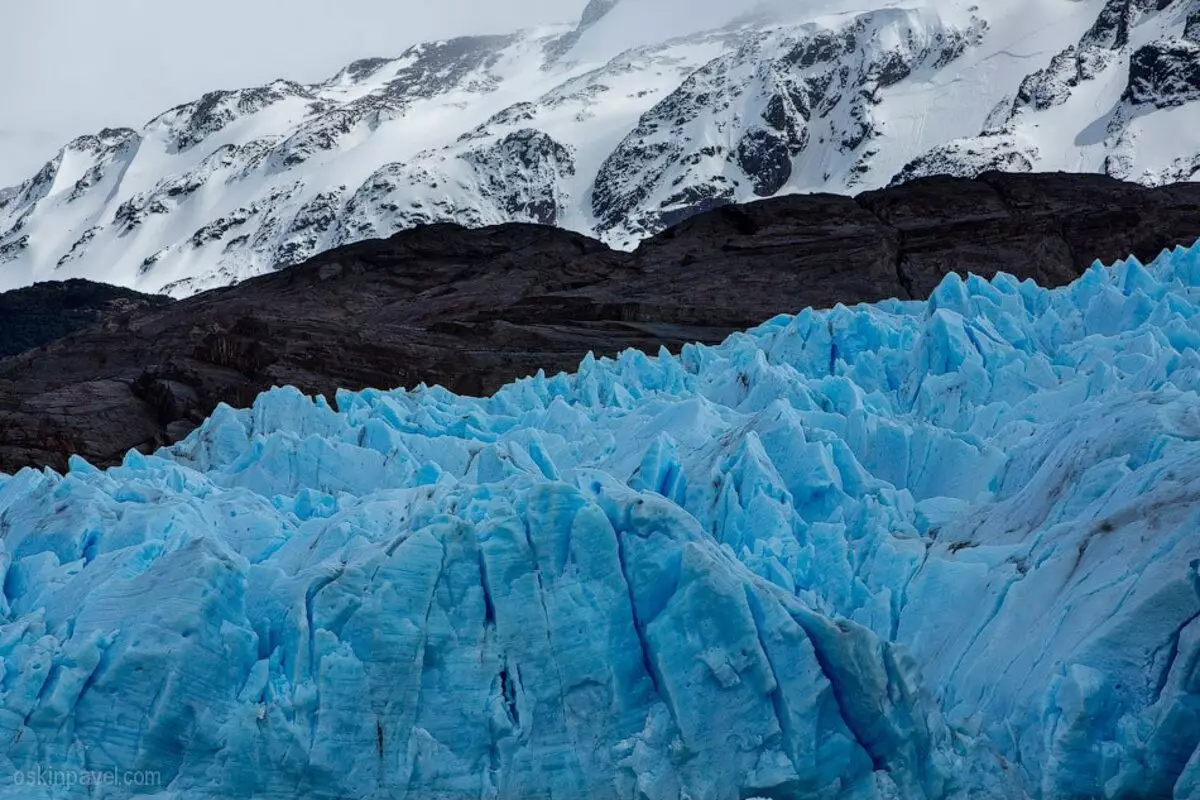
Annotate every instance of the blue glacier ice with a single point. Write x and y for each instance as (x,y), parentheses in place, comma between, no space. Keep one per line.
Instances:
(943,549)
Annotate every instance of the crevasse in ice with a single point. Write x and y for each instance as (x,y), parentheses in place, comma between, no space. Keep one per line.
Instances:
(910,550)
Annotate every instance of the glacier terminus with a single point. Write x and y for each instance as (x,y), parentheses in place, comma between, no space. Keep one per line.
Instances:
(942,549)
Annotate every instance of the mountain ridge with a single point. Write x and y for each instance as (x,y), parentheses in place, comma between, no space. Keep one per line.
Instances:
(523,127)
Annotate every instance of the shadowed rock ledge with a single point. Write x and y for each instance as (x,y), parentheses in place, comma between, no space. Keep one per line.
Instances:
(47,311)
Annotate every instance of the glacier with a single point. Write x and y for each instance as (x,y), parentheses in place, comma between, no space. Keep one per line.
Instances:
(940,549)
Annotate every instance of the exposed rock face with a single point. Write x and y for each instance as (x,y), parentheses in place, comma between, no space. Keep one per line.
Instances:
(1164,74)
(474,309)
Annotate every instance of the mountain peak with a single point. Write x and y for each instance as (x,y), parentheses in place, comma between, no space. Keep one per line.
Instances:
(594,11)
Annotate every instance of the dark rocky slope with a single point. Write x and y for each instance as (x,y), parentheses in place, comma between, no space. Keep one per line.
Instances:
(473,309)
(47,311)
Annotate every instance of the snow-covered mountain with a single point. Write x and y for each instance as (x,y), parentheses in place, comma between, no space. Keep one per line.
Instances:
(644,113)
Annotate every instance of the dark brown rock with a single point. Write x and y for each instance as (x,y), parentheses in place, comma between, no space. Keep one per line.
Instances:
(473,309)
(1046,227)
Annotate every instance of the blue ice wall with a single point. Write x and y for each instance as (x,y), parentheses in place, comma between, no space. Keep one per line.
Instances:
(909,550)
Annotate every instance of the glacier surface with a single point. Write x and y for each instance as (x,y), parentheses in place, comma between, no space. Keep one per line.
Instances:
(940,549)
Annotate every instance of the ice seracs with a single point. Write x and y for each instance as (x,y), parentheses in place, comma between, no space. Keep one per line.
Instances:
(940,549)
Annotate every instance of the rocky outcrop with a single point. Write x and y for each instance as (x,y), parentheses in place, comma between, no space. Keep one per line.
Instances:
(474,309)
(1164,74)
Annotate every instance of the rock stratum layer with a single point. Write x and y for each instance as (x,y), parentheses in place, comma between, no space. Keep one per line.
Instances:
(940,549)
(474,309)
